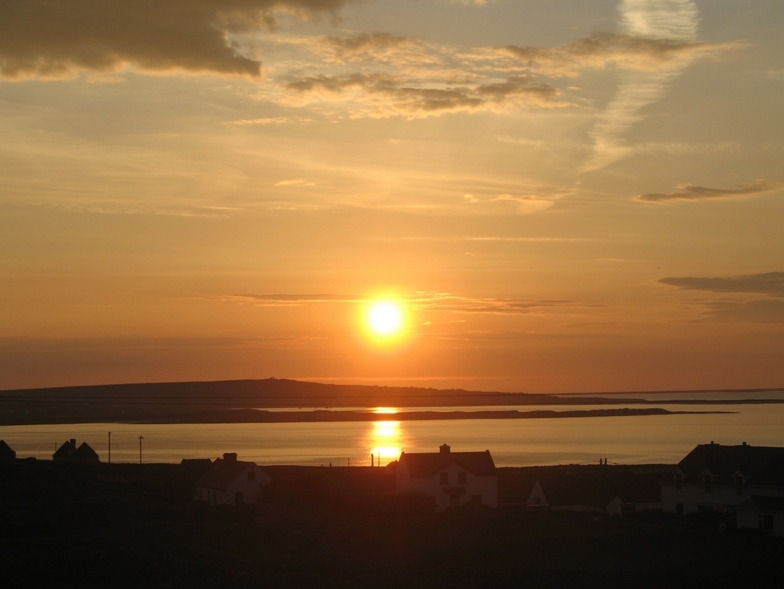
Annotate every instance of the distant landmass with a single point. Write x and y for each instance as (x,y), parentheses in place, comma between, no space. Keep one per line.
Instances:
(266,400)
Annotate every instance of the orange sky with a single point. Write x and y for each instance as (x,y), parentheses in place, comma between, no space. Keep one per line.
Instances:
(562,196)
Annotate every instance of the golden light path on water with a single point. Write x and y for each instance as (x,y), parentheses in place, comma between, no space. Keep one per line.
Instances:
(385,438)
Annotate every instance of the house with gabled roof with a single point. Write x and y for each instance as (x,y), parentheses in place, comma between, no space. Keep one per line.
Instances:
(713,477)
(7,454)
(451,478)
(231,482)
(70,452)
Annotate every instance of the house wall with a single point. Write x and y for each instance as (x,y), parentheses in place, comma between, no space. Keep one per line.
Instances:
(751,520)
(484,487)
(251,490)
(692,496)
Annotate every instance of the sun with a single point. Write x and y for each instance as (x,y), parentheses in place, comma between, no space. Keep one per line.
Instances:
(385,319)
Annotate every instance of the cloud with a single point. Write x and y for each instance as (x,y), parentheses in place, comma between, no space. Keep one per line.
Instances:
(761,310)
(368,46)
(423,301)
(770,283)
(295,182)
(693,192)
(58,38)
(379,95)
(270,121)
(624,51)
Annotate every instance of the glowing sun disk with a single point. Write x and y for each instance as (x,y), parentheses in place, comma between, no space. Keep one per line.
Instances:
(385,318)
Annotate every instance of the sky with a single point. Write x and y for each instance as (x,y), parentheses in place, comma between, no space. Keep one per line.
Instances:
(559,195)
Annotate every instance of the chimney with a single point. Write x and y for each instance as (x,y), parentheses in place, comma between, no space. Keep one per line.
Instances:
(744,443)
(230,456)
(73,441)
(444,449)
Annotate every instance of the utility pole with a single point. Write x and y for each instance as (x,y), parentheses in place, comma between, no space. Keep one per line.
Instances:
(110,447)
(140,448)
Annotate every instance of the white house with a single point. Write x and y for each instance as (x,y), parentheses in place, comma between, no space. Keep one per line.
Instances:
(231,482)
(713,477)
(536,498)
(451,478)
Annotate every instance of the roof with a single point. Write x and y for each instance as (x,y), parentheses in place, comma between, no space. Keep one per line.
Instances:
(761,465)
(223,473)
(82,453)
(6,452)
(66,450)
(428,463)
(757,503)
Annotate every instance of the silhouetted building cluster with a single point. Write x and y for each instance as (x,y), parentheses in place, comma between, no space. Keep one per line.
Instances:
(745,481)
(70,452)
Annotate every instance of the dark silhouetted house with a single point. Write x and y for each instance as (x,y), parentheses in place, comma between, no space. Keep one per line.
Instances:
(69,452)
(7,454)
(616,494)
(713,477)
(231,482)
(451,478)
(762,513)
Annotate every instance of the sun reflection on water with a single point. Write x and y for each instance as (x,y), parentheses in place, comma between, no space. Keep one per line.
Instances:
(384,439)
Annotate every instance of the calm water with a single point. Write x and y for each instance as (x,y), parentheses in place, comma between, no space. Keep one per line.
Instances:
(513,442)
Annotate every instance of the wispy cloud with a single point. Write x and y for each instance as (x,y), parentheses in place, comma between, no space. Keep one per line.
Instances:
(604,50)
(693,192)
(270,121)
(430,301)
(380,95)
(295,182)
(769,283)
(671,26)
(58,38)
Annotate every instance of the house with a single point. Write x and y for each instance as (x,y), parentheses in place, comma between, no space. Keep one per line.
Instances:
(7,454)
(451,478)
(614,492)
(69,452)
(713,477)
(536,498)
(231,482)
(762,513)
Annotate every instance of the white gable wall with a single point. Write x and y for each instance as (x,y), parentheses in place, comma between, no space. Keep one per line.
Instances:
(249,487)
(480,488)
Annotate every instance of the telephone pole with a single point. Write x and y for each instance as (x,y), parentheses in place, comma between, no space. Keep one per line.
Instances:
(140,448)
(110,447)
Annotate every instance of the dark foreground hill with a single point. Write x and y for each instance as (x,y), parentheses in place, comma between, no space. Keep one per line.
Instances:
(68,525)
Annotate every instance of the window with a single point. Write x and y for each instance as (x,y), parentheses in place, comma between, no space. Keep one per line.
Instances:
(476,499)
(444,478)
(739,485)
(765,522)
(678,481)
(706,483)
(461,478)
(251,475)
(537,500)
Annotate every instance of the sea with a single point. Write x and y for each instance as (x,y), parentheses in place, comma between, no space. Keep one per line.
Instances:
(646,439)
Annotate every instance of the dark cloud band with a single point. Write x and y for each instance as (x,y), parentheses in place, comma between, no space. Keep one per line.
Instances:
(56,38)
